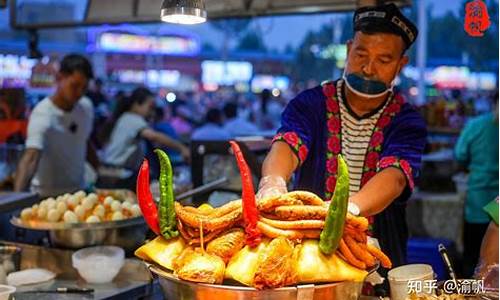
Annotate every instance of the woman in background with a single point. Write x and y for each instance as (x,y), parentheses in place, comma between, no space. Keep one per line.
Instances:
(128,130)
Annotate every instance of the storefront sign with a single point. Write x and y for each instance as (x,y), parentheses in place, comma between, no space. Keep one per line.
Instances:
(132,43)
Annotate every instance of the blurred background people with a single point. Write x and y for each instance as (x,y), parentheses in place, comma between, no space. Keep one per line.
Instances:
(477,151)
(128,130)
(58,132)
(212,130)
(237,125)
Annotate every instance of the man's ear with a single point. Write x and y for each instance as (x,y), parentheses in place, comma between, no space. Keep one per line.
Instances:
(349,45)
(403,62)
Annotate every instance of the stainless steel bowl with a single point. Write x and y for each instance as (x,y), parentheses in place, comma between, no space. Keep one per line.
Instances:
(128,234)
(175,288)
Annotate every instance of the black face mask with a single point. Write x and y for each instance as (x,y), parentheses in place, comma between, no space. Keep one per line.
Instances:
(365,87)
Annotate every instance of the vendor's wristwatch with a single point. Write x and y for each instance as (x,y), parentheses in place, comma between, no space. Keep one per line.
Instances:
(353,209)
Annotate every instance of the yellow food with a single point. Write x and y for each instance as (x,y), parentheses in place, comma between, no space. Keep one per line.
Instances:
(70,217)
(161,251)
(198,266)
(288,253)
(80,207)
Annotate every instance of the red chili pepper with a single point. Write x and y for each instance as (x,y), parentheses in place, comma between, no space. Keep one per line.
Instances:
(145,198)
(250,211)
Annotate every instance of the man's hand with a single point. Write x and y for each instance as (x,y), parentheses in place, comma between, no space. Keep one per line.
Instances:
(26,169)
(271,186)
(277,168)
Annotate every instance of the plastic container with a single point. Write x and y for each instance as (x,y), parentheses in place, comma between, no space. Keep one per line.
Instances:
(6,291)
(425,251)
(400,276)
(99,264)
(10,261)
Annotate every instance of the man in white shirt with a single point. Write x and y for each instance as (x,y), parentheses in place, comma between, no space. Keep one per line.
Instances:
(58,133)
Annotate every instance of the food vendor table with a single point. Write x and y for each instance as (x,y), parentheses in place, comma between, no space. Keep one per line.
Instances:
(133,281)
(437,215)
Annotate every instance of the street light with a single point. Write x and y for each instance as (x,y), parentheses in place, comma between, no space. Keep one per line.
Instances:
(183,11)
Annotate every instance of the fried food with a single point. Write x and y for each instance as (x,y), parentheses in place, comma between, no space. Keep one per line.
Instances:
(313,266)
(360,223)
(297,224)
(268,204)
(384,260)
(305,197)
(355,234)
(276,265)
(295,235)
(198,266)
(289,253)
(350,258)
(209,223)
(192,236)
(243,265)
(227,244)
(301,212)
(161,251)
(359,252)
(196,240)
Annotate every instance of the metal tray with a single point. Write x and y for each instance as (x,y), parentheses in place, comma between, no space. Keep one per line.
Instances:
(128,234)
(175,288)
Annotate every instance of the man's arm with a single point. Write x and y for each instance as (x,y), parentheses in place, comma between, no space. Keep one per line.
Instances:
(280,161)
(380,191)
(277,169)
(26,169)
(164,140)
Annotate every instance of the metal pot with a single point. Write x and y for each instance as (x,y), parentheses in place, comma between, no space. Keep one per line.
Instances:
(128,234)
(175,288)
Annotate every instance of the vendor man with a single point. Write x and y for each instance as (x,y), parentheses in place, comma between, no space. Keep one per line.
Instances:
(359,116)
(58,133)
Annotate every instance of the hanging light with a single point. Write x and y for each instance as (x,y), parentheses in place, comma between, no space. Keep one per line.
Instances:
(183,11)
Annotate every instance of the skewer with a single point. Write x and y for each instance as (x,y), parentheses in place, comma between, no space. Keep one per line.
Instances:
(201,238)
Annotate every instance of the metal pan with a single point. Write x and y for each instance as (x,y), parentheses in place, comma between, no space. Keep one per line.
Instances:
(175,288)
(128,234)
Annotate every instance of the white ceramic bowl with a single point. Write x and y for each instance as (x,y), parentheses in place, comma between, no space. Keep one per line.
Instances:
(99,264)
(5,291)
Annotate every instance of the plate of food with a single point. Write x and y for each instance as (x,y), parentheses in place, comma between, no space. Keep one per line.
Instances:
(291,246)
(106,217)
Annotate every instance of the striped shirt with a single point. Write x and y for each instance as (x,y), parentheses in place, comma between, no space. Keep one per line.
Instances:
(356,133)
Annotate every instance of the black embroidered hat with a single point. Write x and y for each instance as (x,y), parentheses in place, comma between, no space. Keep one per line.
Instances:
(385,18)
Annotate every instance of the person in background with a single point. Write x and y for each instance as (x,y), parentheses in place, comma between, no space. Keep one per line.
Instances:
(129,128)
(181,121)
(58,133)
(477,151)
(262,114)
(236,125)
(161,125)
(212,130)
(96,94)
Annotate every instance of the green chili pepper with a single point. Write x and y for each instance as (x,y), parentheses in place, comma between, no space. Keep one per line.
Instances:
(334,223)
(167,220)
